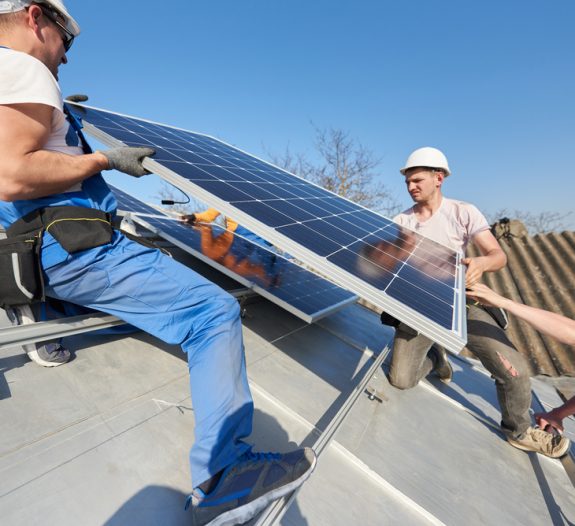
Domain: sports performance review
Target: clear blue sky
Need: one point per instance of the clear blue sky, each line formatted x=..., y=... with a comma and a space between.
x=491, y=83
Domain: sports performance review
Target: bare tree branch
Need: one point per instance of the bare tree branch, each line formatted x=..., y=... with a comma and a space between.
x=345, y=168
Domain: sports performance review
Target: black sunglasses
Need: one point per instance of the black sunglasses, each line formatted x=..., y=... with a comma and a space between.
x=67, y=37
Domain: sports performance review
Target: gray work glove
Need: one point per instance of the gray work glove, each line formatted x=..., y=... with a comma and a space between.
x=128, y=160
x=77, y=98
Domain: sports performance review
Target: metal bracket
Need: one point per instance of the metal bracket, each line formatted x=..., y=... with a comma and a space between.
x=374, y=394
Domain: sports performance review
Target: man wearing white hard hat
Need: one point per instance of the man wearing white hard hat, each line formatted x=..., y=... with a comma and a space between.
x=454, y=224
x=51, y=189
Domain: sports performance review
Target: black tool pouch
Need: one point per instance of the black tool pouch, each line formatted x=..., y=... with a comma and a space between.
x=21, y=279
x=76, y=228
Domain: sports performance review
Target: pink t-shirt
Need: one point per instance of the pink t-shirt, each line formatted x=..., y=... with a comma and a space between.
x=454, y=224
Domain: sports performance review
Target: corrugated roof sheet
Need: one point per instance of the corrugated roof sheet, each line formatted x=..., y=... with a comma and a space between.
x=540, y=272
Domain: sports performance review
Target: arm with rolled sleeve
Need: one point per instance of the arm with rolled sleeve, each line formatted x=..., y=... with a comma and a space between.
x=492, y=256
x=27, y=170
x=35, y=161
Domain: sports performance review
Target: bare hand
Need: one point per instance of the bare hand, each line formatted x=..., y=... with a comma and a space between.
x=474, y=271
x=546, y=420
x=484, y=295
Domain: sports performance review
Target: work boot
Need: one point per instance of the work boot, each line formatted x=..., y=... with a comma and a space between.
x=49, y=354
x=249, y=485
x=441, y=366
x=548, y=444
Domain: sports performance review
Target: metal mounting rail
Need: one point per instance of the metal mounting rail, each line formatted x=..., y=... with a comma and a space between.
x=275, y=511
x=48, y=330
x=61, y=328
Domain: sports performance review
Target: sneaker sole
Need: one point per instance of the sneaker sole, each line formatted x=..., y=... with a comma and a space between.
x=35, y=357
x=447, y=379
x=248, y=511
x=559, y=454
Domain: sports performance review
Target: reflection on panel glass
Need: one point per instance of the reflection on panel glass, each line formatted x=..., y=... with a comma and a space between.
x=281, y=279
x=398, y=263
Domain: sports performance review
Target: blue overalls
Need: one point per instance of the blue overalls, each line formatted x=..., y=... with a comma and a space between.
x=151, y=291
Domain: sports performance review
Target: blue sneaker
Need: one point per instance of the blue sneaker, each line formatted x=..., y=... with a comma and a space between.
x=249, y=485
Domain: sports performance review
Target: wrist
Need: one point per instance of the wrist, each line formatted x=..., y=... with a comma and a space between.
x=505, y=303
x=483, y=264
x=103, y=161
x=559, y=413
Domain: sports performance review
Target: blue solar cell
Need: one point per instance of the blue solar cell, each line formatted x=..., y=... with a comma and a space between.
x=348, y=224
x=224, y=191
x=268, y=214
x=425, y=282
x=421, y=301
x=280, y=191
x=323, y=246
x=278, y=277
x=352, y=261
x=253, y=191
x=400, y=264
x=169, y=154
x=293, y=209
x=327, y=229
x=314, y=206
x=372, y=222
x=193, y=172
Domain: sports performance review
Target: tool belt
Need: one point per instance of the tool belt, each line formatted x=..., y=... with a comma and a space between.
x=75, y=228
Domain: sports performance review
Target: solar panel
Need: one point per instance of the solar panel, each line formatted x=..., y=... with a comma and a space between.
x=297, y=290
x=413, y=278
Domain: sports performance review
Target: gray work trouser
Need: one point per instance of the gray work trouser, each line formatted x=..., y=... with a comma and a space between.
x=489, y=343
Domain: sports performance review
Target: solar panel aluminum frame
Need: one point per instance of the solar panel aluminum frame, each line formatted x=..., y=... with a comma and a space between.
x=453, y=340
x=140, y=219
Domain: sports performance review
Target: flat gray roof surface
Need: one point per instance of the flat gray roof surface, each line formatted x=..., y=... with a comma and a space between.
x=104, y=439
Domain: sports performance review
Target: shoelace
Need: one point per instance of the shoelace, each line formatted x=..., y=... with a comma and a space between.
x=54, y=348
x=260, y=456
x=555, y=440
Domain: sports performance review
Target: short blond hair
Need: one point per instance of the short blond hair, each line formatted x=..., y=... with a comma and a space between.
x=9, y=20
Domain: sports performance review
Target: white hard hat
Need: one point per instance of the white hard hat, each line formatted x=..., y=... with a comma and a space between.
x=427, y=157
x=12, y=6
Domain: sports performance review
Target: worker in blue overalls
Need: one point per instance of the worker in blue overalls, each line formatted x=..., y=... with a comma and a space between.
x=236, y=248
x=51, y=189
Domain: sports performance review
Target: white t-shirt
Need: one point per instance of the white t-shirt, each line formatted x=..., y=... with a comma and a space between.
x=454, y=224
x=27, y=80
